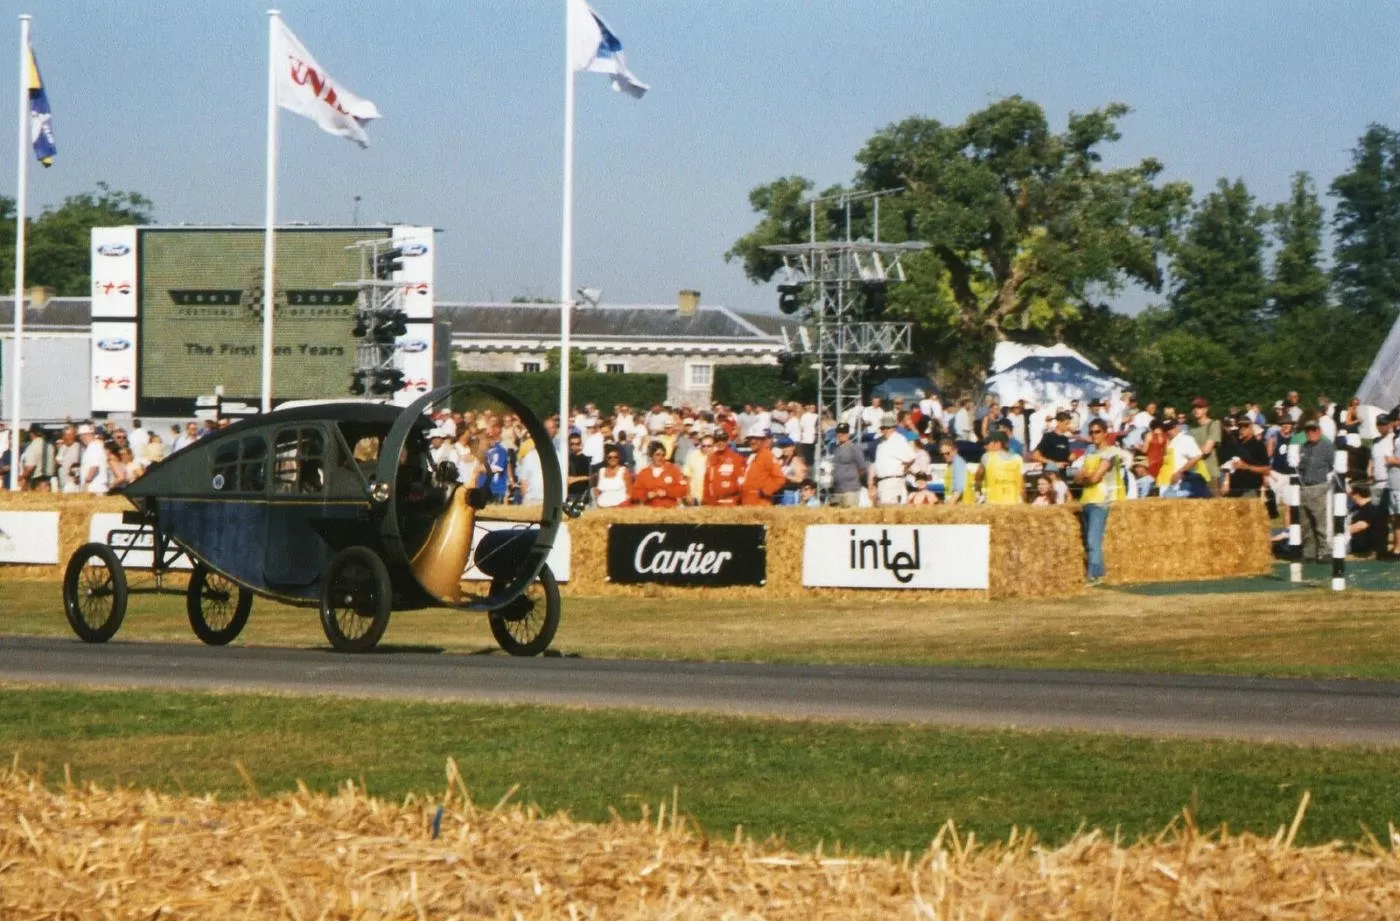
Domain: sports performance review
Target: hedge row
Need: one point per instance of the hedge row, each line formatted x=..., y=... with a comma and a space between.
x=539, y=390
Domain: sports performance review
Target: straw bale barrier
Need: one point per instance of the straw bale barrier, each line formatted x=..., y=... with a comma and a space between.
x=1173, y=540
x=92, y=853
x=1035, y=552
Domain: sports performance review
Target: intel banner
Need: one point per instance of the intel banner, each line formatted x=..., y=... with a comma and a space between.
x=688, y=554
x=896, y=556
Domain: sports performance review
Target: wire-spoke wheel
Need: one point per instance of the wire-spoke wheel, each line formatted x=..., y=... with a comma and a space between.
x=94, y=593
x=526, y=626
x=355, y=600
x=217, y=606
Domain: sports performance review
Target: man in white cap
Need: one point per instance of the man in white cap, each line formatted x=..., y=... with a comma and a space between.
x=94, y=462
x=893, y=457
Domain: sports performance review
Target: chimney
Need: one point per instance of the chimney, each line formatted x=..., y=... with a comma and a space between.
x=39, y=295
x=689, y=300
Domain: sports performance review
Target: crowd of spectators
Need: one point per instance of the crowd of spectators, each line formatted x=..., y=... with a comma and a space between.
x=922, y=452
x=89, y=457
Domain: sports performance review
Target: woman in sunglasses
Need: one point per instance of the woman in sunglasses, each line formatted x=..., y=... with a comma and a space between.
x=614, y=481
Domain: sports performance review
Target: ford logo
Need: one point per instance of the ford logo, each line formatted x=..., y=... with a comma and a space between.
x=113, y=345
x=413, y=346
x=113, y=249
x=415, y=249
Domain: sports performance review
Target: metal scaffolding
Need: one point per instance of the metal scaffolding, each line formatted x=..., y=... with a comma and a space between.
x=834, y=283
x=379, y=319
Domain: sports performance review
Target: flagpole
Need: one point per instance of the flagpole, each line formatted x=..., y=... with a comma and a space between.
x=269, y=241
x=566, y=252
x=16, y=374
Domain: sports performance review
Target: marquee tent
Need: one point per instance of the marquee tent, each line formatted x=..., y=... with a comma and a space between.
x=1047, y=376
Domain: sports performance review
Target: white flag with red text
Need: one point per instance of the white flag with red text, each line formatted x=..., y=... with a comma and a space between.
x=305, y=88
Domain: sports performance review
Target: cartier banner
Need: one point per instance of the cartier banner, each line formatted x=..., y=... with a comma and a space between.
x=688, y=554
x=896, y=556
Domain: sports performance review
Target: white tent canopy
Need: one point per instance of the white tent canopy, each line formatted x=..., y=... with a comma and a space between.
x=1046, y=376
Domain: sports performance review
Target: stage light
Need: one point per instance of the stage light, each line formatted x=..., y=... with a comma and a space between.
x=387, y=263
x=874, y=292
x=357, y=384
x=387, y=381
x=788, y=300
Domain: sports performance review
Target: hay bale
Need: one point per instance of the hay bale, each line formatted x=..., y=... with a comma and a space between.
x=75, y=511
x=87, y=852
x=1170, y=540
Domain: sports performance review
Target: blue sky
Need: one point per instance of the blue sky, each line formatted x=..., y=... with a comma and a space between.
x=168, y=99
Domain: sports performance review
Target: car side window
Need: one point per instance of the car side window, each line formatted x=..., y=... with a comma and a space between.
x=252, y=467
x=239, y=466
x=299, y=461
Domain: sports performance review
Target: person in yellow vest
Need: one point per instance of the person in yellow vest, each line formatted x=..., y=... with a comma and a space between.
x=1100, y=472
x=1001, y=475
x=957, y=484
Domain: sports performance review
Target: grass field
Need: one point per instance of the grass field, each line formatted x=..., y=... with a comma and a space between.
x=869, y=787
x=1300, y=633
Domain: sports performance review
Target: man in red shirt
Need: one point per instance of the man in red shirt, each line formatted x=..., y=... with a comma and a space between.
x=660, y=485
x=764, y=477
x=724, y=473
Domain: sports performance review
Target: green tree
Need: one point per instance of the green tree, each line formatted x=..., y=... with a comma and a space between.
x=1221, y=292
x=1299, y=282
x=1026, y=228
x=58, y=245
x=1366, y=226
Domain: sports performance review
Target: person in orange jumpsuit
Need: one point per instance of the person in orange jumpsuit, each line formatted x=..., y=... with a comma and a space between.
x=724, y=473
x=764, y=478
x=661, y=484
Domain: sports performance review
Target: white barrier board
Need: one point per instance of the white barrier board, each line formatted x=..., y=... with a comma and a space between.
x=139, y=544
x=896, y=556
x=29, y=537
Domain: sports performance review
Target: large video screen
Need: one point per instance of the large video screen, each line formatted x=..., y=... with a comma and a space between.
x=201, y=313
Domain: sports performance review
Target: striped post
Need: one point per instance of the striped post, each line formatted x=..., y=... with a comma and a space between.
x=1295, y=515
x=1338, y=496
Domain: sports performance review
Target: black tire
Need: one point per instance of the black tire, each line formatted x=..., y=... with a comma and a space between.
x=355, y=600
x=527, y=625
x=217, y=606
x=94, y=593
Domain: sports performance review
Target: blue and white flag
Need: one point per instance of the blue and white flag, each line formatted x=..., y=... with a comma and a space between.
x=594, y=47
x=40, y=118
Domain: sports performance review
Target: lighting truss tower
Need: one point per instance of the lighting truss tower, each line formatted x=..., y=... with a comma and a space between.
x=379, y=319
x=823, y=279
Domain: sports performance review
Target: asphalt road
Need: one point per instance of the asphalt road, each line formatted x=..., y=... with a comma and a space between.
x=1292, y=710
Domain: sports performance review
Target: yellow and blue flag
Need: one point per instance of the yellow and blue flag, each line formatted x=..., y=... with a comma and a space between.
x=40, y=118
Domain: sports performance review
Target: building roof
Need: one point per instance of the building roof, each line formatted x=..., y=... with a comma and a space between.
x=73, y=314
x=605, y=321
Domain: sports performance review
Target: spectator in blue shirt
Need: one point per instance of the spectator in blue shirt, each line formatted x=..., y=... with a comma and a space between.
x=497, y=466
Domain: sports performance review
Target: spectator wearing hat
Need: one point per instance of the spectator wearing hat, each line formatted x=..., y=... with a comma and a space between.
x=1315, y=461
x=763, y=477
x=36, y=463
x=724, y=473
x=1207, y=432
x=894, y=454
x=793, y=466
x=849, y=468
x=660, y=483
x=1249, y=460
x=1001, y=473
x=1182, y=474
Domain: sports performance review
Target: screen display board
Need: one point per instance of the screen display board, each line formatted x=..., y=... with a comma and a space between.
x=200, y=297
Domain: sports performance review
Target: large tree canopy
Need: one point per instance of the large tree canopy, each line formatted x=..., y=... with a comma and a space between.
x=1220, y=291
x=58, y=242
x=1366, y=223
x=1027, y=230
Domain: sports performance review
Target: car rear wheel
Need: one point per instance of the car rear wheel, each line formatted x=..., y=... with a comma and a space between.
x=94, y=593
x=355, y=600
x=217, y=606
